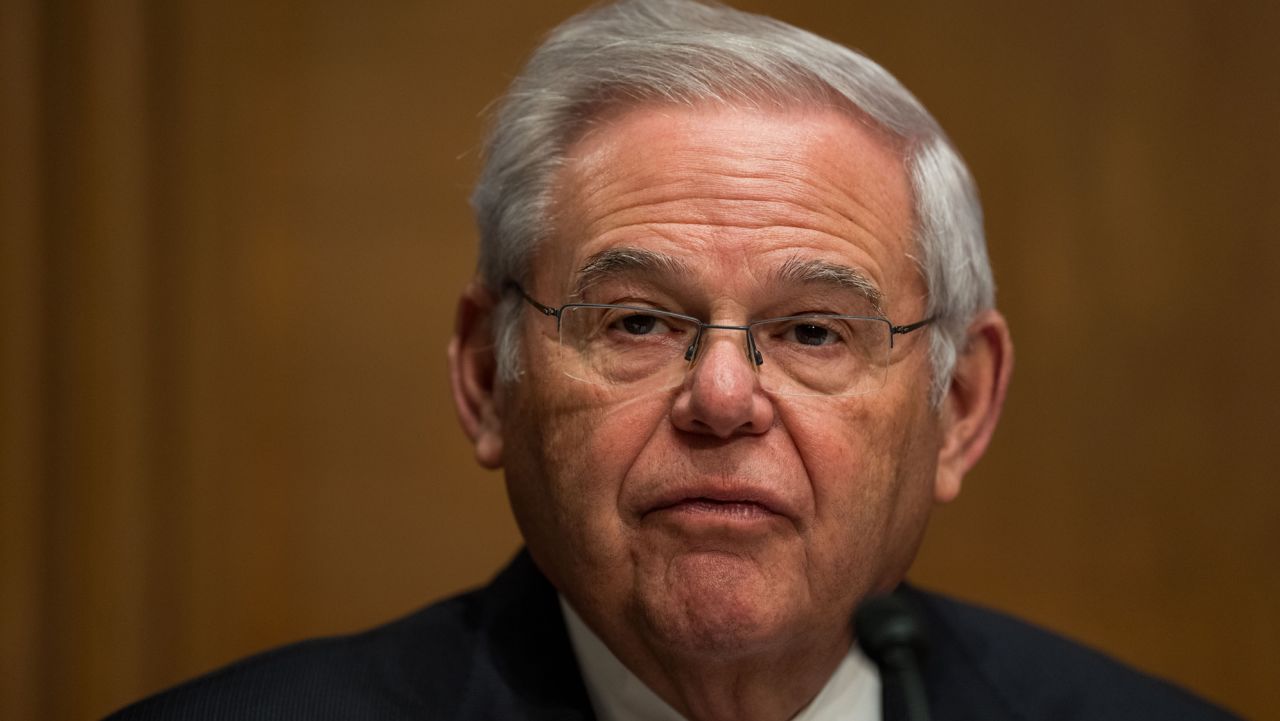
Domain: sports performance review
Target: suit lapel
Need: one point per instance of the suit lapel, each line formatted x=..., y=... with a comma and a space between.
x=525, y=668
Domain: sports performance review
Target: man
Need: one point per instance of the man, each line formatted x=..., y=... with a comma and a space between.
x=731, y=338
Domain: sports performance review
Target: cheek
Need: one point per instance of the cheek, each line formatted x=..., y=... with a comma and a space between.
x=864, y=462
x=593, y=438
x=840, y=449
x=568, y=470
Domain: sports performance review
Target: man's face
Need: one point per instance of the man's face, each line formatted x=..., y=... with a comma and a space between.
x=714, y=517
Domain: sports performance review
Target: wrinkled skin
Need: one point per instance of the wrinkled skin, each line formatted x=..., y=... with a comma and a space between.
x=715, y=536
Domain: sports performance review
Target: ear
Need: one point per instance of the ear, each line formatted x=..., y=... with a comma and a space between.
x=974, y=399
x=472, y=372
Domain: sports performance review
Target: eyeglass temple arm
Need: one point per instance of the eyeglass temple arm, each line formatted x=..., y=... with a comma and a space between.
x=904, y=329
x=544, y=309
x=896, y=330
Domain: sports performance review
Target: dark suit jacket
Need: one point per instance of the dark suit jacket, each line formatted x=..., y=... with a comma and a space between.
x=503, y=653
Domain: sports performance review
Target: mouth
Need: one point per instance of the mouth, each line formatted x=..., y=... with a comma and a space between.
x=740, y=509
x=731, y=503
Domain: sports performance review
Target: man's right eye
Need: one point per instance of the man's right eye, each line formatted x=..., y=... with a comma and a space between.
x=638, y=324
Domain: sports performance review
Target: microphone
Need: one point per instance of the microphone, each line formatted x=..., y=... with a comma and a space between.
x=891, y=631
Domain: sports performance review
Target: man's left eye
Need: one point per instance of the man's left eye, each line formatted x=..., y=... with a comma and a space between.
x=813, y=334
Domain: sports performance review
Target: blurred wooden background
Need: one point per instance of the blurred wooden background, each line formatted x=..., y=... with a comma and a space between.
x=232, y=236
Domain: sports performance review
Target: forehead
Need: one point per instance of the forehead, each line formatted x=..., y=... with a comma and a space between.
x=736, y=194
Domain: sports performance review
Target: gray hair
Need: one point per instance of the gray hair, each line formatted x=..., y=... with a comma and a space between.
x=686, y=52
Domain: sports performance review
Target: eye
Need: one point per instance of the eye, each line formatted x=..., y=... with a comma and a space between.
x=813, y=334
x=640, y=324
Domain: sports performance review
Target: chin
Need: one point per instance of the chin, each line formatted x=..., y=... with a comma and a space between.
x=715, y=604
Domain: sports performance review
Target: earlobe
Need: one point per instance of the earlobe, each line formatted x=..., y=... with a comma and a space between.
x=974, y=400
x=473, y=374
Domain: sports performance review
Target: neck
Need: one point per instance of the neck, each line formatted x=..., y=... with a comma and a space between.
x=769, y=684
x=773, y=687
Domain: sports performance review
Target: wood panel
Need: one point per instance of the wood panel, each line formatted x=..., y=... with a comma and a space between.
x=21, y=412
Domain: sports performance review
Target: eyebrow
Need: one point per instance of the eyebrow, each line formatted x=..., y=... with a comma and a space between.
x=835, y=275
x=621, y=261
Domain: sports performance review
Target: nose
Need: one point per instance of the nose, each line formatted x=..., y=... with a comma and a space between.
x=721, y=395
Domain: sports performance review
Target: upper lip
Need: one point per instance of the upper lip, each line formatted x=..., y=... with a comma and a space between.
x=728, y=491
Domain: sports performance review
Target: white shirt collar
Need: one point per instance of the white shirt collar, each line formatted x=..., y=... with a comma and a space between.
x=851, y=694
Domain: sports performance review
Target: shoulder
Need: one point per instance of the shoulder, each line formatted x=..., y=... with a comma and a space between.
x=364, y=675
x=998, y=662
x=484, y=654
